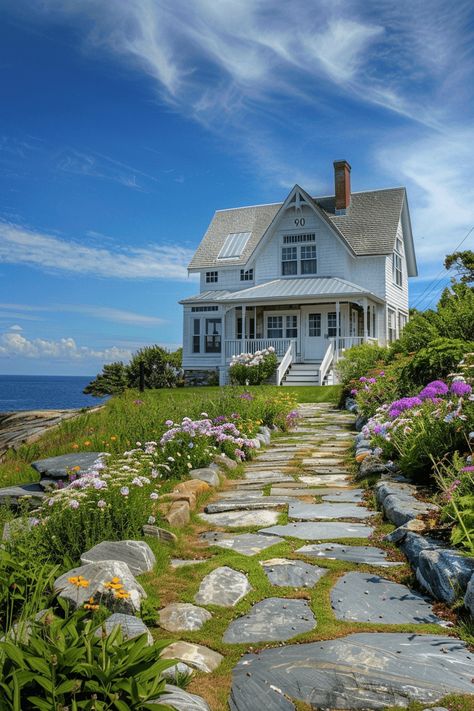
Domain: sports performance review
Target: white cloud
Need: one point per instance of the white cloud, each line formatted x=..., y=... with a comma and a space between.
x=15, y=345
x=16, y=327
x=103, y=313
x=97, y=165
x=19, y=245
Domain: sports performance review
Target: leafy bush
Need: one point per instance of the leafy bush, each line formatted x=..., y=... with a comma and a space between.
x=253, y=368
x=63, y=664
x=456, y=481
x=359, y=360
x=437, y=360
x=381, y=386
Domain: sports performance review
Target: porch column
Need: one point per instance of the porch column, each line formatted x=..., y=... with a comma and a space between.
x=338, y=328
x=243, y=327
x=366, y=334
x=224, y=316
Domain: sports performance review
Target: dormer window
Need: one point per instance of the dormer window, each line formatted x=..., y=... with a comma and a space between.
x=246, y=275
x=211, y=277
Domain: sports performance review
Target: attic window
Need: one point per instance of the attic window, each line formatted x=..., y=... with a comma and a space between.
x=234, y=245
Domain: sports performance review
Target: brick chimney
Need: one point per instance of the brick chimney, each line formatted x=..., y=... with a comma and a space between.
x=342, y=185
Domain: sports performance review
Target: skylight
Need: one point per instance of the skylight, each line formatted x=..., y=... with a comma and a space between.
x=234, y=245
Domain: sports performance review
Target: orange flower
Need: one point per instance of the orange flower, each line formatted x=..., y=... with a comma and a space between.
x=91, y=605
x=122, y=595
x=86, y=443
x=75, y=446
x=78, y=581
x=113, y=438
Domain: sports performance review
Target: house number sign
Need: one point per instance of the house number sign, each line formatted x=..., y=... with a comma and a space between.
x=300, y=222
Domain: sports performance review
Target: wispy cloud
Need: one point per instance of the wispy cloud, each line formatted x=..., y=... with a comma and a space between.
x=15, y=345
x=19, y=245
x=103, y=313
x=97, y=165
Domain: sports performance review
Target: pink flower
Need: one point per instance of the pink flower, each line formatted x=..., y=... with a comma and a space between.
x=101, y=504
x=74, y=504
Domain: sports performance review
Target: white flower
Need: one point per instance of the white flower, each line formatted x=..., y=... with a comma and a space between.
x=153, y=496
x=124, y=491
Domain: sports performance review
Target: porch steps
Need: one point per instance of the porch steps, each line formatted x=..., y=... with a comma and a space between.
x=302, y=374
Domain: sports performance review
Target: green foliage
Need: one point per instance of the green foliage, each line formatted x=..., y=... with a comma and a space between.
x=64, y=664
x=436, y=360
x=26, y=582
x=420, y=330
x=463, y=262
x=456, y=482
x=359, y=360
x=161, y=370
x=456, y=312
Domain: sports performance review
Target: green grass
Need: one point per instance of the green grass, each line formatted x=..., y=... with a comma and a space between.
x=121, y=422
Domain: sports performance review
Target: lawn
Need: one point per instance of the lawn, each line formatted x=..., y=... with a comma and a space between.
x=137, y=417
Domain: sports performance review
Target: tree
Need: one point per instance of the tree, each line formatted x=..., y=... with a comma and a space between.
x=112, y=381
x=463, y=262
x=162, y=369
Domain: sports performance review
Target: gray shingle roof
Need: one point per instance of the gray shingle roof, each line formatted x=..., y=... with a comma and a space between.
x=284, y=289
x=369, y=227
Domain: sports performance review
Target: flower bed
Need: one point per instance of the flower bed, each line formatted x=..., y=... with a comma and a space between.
x=253, y=368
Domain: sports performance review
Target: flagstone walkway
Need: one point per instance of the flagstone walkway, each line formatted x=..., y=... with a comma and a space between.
x=349, y=634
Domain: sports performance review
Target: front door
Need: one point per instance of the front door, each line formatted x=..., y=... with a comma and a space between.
x=314, y=342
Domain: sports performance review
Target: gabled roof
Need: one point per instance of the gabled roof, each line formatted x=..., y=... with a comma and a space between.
x=284, y=290
x=368, y=228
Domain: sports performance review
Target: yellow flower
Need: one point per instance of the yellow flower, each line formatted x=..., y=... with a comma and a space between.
x=91, y=605
x=78, y=581
x=122, y=595
x=86, y=443
x=75, y=446
x=113, y=438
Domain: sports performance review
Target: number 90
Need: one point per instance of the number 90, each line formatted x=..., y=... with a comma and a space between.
x=300, y=222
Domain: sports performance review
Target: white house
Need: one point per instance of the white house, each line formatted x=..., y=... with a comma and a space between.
x=310, y=276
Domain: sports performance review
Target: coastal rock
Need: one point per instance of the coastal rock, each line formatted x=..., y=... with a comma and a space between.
x=469, y=596
x=30, y=495
x=371, y=465
x=206, y=474
x=181, y=700
x=222, y=460
x=413, y=544
x=197, y=656
x=444, y=573
x=157, y=532
x=97, y=575
x=224, y=587
x=136, y=554
x=130, y=625
x=59, y=467
x=179, y=616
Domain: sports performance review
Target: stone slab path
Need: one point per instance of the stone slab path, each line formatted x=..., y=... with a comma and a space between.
x=302, y=567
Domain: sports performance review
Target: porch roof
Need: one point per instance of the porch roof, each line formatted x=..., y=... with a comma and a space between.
x=285, y=290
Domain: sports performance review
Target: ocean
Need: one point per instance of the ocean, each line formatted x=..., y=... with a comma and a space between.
x=45, y=392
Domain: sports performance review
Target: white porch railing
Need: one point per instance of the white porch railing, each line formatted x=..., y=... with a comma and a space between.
x=285, y=362
x=251, y=345
x=326, y=362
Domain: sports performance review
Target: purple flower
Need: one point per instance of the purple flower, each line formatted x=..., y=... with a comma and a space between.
x=353, y=392
x=382, y=373
x=467, y=469
x=246, y=396
x=363, y=379
x=460, y=388
x=138, y=402
x=372, y=380
x=74, y=504
x=405, y=403
x=169, y=423
x=436, y=387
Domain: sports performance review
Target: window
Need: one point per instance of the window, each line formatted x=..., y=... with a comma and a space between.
x=211, y=277
x=402, y=321
x=314, y=325
x=274, y=326
x=198, y=309
x=397, y=273
x=213, y=335
x=246, y=275
x=391, y=321
x=289, y=261
x=291, y=327
x=196, y=335
x=332, y=325
x=308, y=259
x=234, y=245
x=297, y=239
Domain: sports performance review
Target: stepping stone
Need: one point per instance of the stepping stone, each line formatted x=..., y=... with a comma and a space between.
x=241, y=493
x=181, y=700
x=292, y=573
x=97, y=575
x=240, y=519
x=183, y=616
x=59, y=467
x=267, y=502
x=331, y=479
x=136, y=554
x=270, y=620
x=351, y=554
x=363, y=597
x=224, y=587
x=349, y=496
x=197, y=656
x=312, y=512
x=181, y=563
x=362, y=672
x=130, y=625
x=320, y=531
x=244, y=543
x=268, y=477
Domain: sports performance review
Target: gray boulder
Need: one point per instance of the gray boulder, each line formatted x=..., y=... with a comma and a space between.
x=371, y=465
x=413, y=544
x=30, y=495
x=136, y=554
x=266, y=433
x=444, y=573
x=360, y=422
x=205, y=474
x=130, y=625
x=181, y=700
x=222, y=460
x=59, y=467
x=469, y=596
x=97, y=575
x=400, y=509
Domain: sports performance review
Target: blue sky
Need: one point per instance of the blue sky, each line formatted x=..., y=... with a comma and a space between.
x=125, y=123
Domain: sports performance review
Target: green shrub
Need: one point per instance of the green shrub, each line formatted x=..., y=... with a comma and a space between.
x=456, y=482
x=421, y=329
x=359, y=360
x=253, y=368
x=64, y=664
x=381, y=386
x=437, y=360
